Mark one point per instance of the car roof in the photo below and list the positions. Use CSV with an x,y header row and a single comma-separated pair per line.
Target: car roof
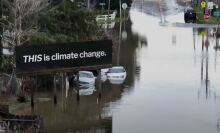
x,y
117,67
85,72
190,10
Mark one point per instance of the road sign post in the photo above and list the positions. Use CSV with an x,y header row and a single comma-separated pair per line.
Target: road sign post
x,y
102,4
206,16
203,5
210,5
124,7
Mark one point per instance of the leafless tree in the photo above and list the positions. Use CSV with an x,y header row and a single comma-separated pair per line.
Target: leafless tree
x,y
21,23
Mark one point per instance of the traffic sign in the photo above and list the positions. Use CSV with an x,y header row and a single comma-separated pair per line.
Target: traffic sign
x,y
206,16
203,4
102,4
124,6
210,5
124,35
217,13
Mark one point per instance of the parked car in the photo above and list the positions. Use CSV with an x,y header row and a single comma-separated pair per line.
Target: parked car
x,y
86,77
116,73
190,16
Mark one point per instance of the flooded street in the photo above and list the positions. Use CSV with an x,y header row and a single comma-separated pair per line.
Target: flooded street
x,y
172,83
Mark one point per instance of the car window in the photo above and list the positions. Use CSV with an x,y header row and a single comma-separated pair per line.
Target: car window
x,y
116,70
87,75
190,11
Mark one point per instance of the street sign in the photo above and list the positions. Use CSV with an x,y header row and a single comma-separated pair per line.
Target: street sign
x,y
210,5
217,13
124,35
102,4
203,4
124,6
206,16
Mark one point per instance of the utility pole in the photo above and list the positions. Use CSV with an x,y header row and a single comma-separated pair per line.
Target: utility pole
x,y
88,4
120,8
109,2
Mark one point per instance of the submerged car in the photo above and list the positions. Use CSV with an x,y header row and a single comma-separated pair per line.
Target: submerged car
x,y
190,16
86,77
116,73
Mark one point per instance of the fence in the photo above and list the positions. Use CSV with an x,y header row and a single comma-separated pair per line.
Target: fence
x,y
106,17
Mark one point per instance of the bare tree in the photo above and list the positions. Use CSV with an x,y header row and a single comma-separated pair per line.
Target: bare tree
x,y
21,23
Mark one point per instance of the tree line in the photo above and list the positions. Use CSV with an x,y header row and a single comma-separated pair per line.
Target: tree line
x,y
45,21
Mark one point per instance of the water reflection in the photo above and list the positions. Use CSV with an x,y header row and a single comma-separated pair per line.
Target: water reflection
x,y
86,90
116,81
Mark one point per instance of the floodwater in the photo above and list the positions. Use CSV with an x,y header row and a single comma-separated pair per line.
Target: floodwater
x,y
172,85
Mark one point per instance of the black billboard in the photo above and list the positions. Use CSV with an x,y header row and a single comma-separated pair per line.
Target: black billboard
x,y
62,57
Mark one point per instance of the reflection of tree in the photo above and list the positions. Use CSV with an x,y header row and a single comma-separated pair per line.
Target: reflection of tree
x,y
126,50
143,41
88,113
206,80
210,92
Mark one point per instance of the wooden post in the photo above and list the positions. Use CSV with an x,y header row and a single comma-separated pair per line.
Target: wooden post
x,y
62,85
99,84
77,87
55,90
32,92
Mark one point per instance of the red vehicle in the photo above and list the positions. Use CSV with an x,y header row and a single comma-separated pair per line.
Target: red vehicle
x,y
206,16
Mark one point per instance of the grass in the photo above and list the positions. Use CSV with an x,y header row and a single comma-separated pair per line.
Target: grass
x,y
200,17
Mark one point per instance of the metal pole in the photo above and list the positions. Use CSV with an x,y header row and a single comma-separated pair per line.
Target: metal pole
x,y
109,2
119,45
120,8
